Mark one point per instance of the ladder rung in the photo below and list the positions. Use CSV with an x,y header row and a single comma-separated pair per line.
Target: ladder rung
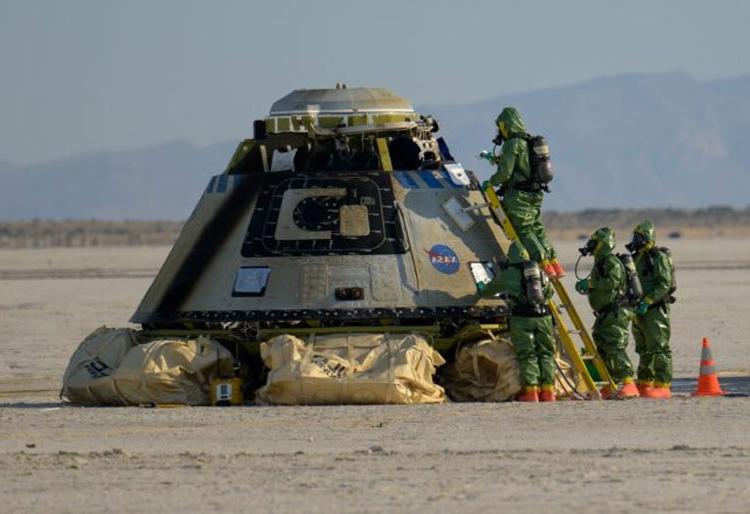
x,y
575,332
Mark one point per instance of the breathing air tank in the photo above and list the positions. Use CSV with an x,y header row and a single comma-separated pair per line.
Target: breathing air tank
x,y
635,289
533,279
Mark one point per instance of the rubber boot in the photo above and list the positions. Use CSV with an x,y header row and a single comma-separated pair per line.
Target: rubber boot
x,y
644,388
529,394
547,394
660,392
559,270
627,390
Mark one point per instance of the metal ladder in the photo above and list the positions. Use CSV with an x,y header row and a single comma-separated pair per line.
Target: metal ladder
x,y
565,307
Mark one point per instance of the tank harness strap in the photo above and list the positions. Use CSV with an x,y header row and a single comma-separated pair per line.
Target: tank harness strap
x,y
527,186
530,311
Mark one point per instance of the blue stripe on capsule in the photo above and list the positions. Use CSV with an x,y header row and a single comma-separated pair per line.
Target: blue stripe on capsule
x,y
222,186
211,183
429,179
405,180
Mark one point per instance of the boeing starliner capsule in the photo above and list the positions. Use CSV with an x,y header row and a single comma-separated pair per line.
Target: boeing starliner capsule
x,y
344,210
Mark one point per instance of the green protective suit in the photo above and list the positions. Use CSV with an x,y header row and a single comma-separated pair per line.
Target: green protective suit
x,y
531,333
652,330
606,291
522,208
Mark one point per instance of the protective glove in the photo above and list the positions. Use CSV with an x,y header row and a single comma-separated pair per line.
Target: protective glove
x,y
488,156
642,307
582,286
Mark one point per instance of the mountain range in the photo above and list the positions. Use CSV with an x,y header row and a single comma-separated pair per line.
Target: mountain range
x,y
628,141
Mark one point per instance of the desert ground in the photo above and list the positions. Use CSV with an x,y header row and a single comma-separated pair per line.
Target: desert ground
x,y
684,454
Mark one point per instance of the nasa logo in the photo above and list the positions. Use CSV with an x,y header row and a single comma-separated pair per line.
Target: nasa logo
x,y
444,259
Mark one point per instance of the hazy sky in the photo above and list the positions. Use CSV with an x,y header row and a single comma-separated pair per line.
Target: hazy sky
x,y
87,75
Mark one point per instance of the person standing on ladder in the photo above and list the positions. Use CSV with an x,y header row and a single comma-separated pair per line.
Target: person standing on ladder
x,y
522,189
531,330
606,289
651,325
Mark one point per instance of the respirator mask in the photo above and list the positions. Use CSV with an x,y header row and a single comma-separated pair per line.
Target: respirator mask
x,y
589,248
638,242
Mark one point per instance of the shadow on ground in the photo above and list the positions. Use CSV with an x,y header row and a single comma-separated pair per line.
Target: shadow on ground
x,y
32,405
737,387
733,386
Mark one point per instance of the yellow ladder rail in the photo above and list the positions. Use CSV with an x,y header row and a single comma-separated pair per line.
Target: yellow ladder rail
x,y
583,332
572,350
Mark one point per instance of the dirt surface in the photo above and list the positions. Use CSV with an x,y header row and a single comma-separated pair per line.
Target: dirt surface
x,y
683,455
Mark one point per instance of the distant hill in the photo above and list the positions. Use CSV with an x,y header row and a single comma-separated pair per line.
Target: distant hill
x,y
626,141
629,141
159,182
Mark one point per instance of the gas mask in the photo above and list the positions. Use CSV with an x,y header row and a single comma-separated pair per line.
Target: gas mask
x,y
498,139
638,242
589,248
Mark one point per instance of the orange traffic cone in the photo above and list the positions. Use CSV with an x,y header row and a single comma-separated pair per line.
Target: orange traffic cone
x,y
708,382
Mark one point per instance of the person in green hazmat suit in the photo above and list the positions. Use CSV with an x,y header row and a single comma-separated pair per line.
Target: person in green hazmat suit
x,y
606,289
521,202
527,290
651,325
